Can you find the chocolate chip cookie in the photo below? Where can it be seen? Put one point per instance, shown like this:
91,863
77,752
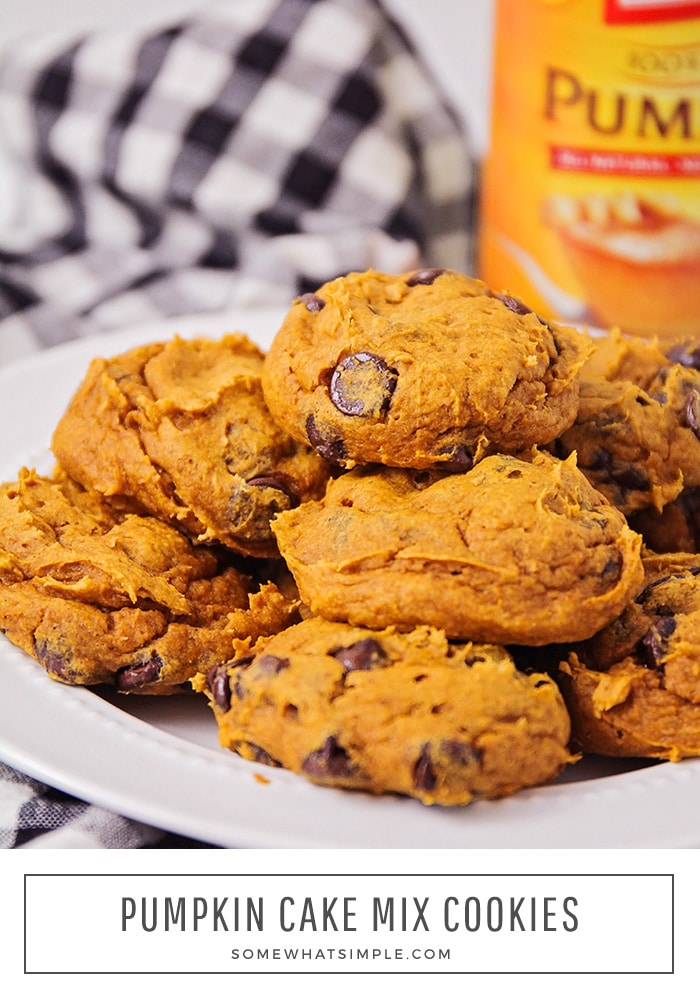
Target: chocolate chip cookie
420,369
180,429
98,596
675,528
512,551
634,689
637,441
383,711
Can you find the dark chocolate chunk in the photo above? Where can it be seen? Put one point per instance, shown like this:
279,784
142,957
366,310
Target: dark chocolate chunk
655,643
332,449
251,751
631,478
277,481
425,277
365,654
219,687
330,761
685,354
462,754
460,459
271,665
362,385
313,302
514,304
692,411
424,778
51,660
137,674
219,682
612,570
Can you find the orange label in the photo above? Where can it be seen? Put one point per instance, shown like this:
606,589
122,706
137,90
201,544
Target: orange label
591,187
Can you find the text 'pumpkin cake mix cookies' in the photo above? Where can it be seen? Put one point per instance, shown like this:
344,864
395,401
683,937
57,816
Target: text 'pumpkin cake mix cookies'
511,551
181,430
101,596
420,369
385,711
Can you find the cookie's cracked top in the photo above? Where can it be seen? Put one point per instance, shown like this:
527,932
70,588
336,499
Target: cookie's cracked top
511,551
420,369
100,596
180,429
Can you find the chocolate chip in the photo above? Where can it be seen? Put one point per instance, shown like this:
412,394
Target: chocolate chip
251,751
277,481
314,303
425,277
424,779
219,686
655,643
365,654
631,478
692,411
51,660
362,385
330,761
612,571
645,594
332,449
685,355
515,305
271,665
234,683
137,674
460,459
461,754
601,459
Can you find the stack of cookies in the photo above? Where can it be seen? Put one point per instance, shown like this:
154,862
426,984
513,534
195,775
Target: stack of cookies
365,546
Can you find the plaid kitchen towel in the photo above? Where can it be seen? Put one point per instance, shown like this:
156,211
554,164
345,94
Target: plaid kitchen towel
238,157
33,815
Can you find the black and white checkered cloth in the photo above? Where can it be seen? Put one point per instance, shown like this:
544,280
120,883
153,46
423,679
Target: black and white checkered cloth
235,158
33,815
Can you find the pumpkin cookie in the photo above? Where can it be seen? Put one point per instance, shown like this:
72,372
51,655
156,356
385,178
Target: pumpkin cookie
384,711
420,369
637,433
101,596
634,689
180,429
512,551
676,528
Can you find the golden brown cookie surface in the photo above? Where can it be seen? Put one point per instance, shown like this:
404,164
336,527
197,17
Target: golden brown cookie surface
384,711
509,552
180,429
420,369
634,689
101,596
637,433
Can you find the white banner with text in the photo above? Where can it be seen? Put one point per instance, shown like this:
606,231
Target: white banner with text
348,923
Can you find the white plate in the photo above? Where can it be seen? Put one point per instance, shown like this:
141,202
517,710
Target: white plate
158,759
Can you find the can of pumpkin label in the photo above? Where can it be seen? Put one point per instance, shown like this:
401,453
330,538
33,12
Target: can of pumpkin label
590,205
